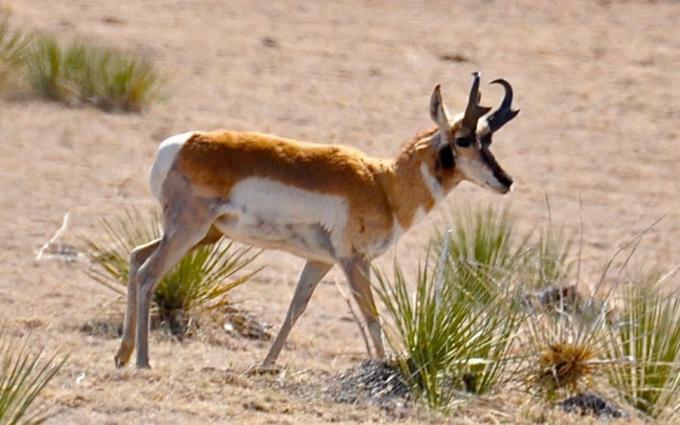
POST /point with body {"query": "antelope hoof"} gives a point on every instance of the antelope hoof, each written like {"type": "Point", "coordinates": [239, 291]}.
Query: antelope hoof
{"type": "Point", "coordinates": [143, 364]}
{"type": "Point", "coordinates": [263, 369]}
{"type": "Point", "coordinates": [122, 356]}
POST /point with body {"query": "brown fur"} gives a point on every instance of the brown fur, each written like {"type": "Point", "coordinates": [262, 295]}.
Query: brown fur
{"type": "Point", "coordinates": [377, 190]}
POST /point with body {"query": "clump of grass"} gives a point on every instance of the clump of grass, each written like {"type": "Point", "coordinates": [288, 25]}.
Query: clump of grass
{"type": "Point", "coordinates": [81, 72]}
{"type": "Point", "coordinates": [12, 47]}
{"type": "Point", "coordinates": [647, 334]}
{"type": "Point", "coordinates": [446, 341]}
{"type": "Point", "coordinates": [201, 280]}
{"type": "Point", "coordinates": [24, 373]}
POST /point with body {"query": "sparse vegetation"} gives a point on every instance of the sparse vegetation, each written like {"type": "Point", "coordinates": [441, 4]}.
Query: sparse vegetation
{"type": "Point", "coordinates": [454, 332]}
{"type": "Point", "coordinates": [564, 352]}
{"type": "Point", "coordinates": [24, 373]}
{"type": "Point", "coordinates": [77, 72]}
{"type": "Point", "coordinates": [198, 282]}
{"type": "Point", "coordinates": [480, 245]}
{"type": "Point", "coordinates": [12, 46]}
{"type": "Point", "coordinates": [446, 340]}
{"type": "Point", "coordinates": [646, 335]}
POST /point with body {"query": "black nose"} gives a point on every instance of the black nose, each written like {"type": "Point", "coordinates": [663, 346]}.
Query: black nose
{"type": "Point", "coordinates": [503, 178]}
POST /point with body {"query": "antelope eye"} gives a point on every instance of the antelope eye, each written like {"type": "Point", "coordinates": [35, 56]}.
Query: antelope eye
{"type": "Point", "coordinates": [463, 142]}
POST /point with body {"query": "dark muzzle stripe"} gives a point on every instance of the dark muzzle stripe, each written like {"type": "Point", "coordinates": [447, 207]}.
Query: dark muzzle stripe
{"type": "Point", "coordinates": [496, 169]}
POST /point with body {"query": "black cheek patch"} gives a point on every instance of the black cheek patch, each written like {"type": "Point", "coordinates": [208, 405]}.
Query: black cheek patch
{"type": "Point", "coordinates": [446, 157]}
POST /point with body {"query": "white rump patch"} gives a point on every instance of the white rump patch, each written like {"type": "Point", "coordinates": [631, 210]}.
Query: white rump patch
{"type": "Point", "coordinates": [165, 157]}
{"type": "Point", "coordinates": [432, 184]}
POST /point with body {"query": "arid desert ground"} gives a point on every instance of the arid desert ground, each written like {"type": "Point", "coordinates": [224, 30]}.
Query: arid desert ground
{"type": "Point", "coordinates": [598, 135]}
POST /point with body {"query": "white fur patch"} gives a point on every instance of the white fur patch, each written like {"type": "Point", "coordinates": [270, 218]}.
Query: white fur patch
{"type": "Point", "coordinates": [419, 215]}
{"type": "Point", "coordinates": [272, 214]}
{"type": "Point", "coordinates": [432, 184]}
{"type": "Point", "coordinates": [165, 157]}
{"type": "Point", "coordinates": [383, 244]}
{"type": "Point", "coordinates": [480, 174]}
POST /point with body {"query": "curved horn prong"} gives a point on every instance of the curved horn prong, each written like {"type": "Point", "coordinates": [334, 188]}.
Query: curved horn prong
{"type": "Point", "coordinates": [504, 113]}
{"type": "Point", "coordinates": [473, 111]}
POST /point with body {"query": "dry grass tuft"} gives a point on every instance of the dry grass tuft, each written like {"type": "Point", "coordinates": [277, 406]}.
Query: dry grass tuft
{"type": "Point", "coordinates": [80, 72]}
{"type": "Point", "coordinates": [565, 365]}
{"type": "Point", "coordinates": [76, 72]}
{"type": "Point", "coordinates": [12, 47]}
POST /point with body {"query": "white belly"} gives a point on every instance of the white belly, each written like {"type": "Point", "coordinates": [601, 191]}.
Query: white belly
{"type": "Point", "coordinates": [270, 214]}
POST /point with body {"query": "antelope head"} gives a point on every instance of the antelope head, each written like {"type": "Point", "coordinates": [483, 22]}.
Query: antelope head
{"type": "Point", "coordinates": [465, 142]}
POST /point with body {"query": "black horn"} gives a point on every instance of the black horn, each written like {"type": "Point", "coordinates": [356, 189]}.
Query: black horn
{"type": "Point", "coordinates": [504, 113]}
{"type": "Point", "coordinates": [473, 111]}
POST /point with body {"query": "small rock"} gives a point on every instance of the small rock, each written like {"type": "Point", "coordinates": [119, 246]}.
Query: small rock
{"type": "Point", "coordinates": [453, 57]}
{"type": "Point", "coordinates": [269, 42]}
{"type": "Point", "coordinates": [375, 381]}
{"type": "Point", "coordinates": [590, 404]}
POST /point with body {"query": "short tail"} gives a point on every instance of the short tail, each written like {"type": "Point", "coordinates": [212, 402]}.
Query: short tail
{"type": "Point", "coordinates": [165, 157]}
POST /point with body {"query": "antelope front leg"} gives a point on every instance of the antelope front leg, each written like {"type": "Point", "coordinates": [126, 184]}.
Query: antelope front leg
{"type": "Point", "coordinates": [137, 257]}
{"type": "Point", "coordinates": [358, 272]}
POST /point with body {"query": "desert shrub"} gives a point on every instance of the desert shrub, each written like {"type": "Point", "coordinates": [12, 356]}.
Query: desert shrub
{"type": "Point", "coordinates": [23, 375]}
{"type": "Point", "coordinates": [446, 340]}
{"type": "Point", "coordinates": [198, 282]}
{"type": "Point", "coordinates": [646, 335]}
{"type": "Point", "coordinates": [82, 72]}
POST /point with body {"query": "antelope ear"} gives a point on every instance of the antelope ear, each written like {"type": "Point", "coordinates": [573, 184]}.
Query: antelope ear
{"type": "Point", "coordinates": [438, 111]}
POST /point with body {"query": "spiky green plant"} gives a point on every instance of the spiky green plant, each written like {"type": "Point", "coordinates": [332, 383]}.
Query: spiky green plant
{"type": "Point", "coordinates": [481, 244]}
{"type": "Point", "coordinates": [199, 281]}
{"type": "Point", "coordinates": [647, 334]}
{"type": "Point", "coordinates": [82, 72]}
{"type": "Point", "coordinates": [445, 340]}
{"type": "Point", "coordinates": [24, 373]}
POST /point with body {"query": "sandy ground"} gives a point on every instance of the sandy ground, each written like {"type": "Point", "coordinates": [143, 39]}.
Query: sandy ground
{"type": "Point", "coordinates": [598, 133]}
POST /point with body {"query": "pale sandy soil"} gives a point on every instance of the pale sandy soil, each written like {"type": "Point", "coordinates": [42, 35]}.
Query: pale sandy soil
{"type": "Point", "coordinates": [597, 83]}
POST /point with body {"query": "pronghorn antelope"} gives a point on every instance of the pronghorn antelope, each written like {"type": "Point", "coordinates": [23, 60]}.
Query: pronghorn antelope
{"type": "Point", "coordinates": [329, 204]}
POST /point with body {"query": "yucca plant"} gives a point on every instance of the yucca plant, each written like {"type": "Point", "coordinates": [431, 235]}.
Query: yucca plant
{"type": "Point", "coordinates": [647, 334]}
{"type": "Point", "coordinates": [79, 71]}
{"type": "Point", "coordinates": [446, 341]}
{"type": "Point", "coordinates": [201, 280]}
{"type": "Point", "coordinates": [24, 373]}
{"type": "Point", "coordinates": [481, 244]}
